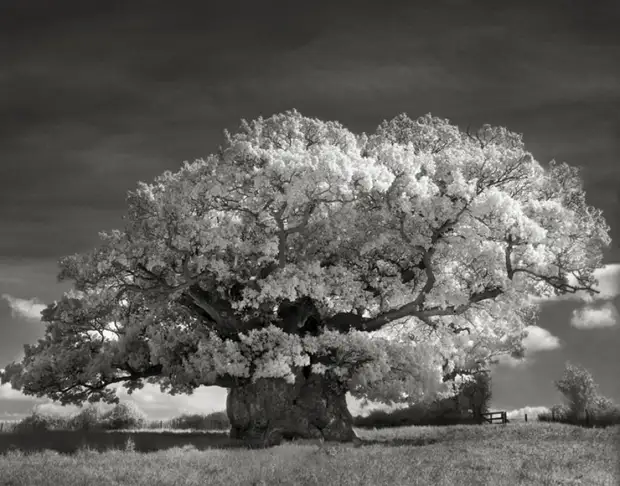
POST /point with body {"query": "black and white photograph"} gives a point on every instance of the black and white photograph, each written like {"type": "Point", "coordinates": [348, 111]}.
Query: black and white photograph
{"type": "Point", "coordinates": [270, 242]}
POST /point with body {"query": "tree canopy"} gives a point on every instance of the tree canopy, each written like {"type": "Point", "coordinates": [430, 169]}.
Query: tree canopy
{"type": "Point", "coordinates": [393, 262]}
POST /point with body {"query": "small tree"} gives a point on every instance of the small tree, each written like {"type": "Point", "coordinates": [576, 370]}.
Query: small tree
{"type": "Point", "coordinates": [477, 393]}
{"type": "Point", "coordinates": [89, 417]}
{"type": "Point", "coordinates": [125, 415]}
{"type": "Point", "coordinates": [579, 390]}
{"type": "Point", "coordinates": [302, 261]}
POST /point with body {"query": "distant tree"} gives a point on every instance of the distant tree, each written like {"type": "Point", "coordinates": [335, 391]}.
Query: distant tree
{"type": "Point", "coordinates": [89, 417]}
{"type": "Point", "coordinates": [125, 415]}
{"type": "Point", "coordinates": [579, 390]}
{"type": "Point", "coordinates": [302, 262]}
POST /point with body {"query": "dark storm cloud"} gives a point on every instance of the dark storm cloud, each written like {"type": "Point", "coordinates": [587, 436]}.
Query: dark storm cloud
{"type": "Point", "coordinates": [93, 101]}
{"type": "Point", "coordinates": [96, 97]}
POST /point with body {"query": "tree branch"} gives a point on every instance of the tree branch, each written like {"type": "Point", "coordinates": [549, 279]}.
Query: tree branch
{"type": "Point", "coordinates": [509, 269]}
{"type": "Point", "coordinates": [412, 310]}
{"type": "Point", "coordinates": [557, 282]}
{"type": "Point", "coordinates": [427, 256]}
{"type": "Point", "coordinates": [211, 311]}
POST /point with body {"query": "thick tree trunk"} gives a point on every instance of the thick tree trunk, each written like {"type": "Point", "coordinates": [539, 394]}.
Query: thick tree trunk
{"type": "Point", "coordinates": [272, 409]}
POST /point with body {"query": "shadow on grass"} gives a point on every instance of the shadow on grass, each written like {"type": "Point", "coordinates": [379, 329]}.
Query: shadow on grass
{"type": "Point", "coordinates": [401, 442]}
{"type": "Point", "coordinates": [70, 442]}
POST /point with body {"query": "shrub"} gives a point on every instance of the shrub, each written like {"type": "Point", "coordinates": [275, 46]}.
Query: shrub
{"type": "Point", "coordinates": [378, 419]}
{"type": "Point", "coordinates": [212, 421]}
{"type": "Point", "coordinates": [218, 421]}
{"type": "Point", "coordinates": [602, 405]}
{"type": "Point", "coordinates": [124, 416]}
{"type": "Point", "coordinates": [38, 422]}
{"type": "Point", "coordinates": [604, 415]}
{"type": "Point", "coordinates": [89, 418]}
{"type": "Point", "coordinates": [557, 413]}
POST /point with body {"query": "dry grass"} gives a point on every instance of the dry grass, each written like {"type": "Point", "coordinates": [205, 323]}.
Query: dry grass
{"type": "Point", "coordinates": [528, 454]}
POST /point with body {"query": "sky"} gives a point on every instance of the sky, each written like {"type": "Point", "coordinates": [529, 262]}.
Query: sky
{"type": "Point", "coordinates": [96, 96]}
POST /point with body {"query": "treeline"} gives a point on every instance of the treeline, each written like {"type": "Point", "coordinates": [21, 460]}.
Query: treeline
{"type": "Point", "coordinates": [124, 416]}
{"type": "Point", "coordinates": [583, 406]}
{"type": "Point", "coordinates": [466, 407]}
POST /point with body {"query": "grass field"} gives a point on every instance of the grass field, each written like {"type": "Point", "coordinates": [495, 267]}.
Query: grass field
{"type": "Point", "coordinates": [528, 454]}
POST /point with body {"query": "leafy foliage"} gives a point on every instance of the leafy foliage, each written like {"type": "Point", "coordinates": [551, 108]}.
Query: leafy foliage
{"type": "Point", "coordinates": [579, 389]}
{"type": "Point", "coordinates": [478, 393]}
{"type": "Point", "coordinates": [124, 415]}
{"type": "Point", "coordinates": [89, 417]}
{"type": "Point", "coordinates": [465, 407]}
{"type": "Point", "coordinates": [391, 262]}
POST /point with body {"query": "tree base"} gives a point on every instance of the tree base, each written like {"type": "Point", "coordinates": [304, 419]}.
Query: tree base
{"type": "Point", "coordinates": [272, 410]}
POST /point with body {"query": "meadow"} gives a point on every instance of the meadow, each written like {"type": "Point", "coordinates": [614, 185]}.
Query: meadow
{"type": "Point", "coordinates": [531, 453]}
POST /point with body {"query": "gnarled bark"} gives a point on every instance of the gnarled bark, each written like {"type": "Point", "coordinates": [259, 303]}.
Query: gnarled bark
{"type": "Point", "coordinates": [272, 409]}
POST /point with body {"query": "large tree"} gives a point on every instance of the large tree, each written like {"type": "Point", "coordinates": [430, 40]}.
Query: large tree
{"type": "Point", "coordinates": [302, 261]}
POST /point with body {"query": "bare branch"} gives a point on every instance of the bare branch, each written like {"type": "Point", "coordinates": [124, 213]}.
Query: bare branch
{"type": "Point", "coordinates": [557, 282]}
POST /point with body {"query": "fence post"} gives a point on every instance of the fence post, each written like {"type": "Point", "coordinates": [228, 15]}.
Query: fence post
{"type": "Point", "coordinates": [526, 417]}
{"type": "Point", "coordinates": [1, 426]}
{"type": "Point", "coordinates": [161, 424]}
{"type": "Point", "coordinates": [504, 418]}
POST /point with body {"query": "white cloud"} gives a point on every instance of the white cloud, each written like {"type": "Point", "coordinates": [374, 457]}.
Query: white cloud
{"type": "Point", "coordinates": [51, 408]}
{"type": "Point", "coordinates": [591, 316]}
{"type": "Point", "coordinates": [609, 281]}
{"type": "Point", "coordinates": [8, 393]}
{"type": "Point", "coordinates": [532, 413]}
{"type": "Point", "coordinates": [24, 308]}
{"type": "Point", "coordinates": [537, 340]}
{"type": "Point", "coordinates": [358, 407]}
{"type": "Point", "coordinates": [160, 405]}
